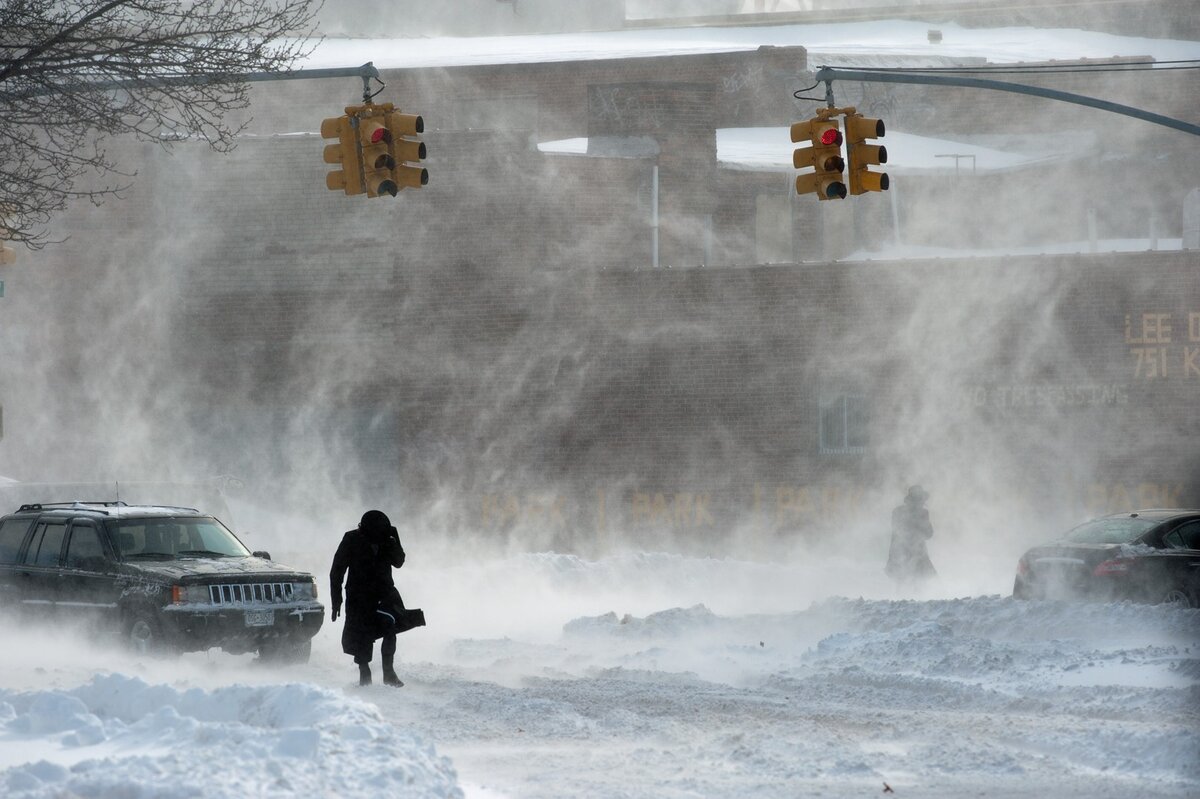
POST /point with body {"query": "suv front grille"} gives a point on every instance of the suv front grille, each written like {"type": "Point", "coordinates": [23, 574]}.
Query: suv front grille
{"type": "Point", "coordinates": [250, 593]}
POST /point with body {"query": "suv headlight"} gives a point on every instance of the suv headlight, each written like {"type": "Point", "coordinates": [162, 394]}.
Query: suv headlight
{"type": "Point", "coordinates": [305, 589]}
{"type": "Point", "coordinates": [190, 594]}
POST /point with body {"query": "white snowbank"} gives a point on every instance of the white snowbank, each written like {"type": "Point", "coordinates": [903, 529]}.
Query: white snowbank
{"type": "Point", "coordinates": [118, 737]}
{"type": "Point", "coordinates": [947, 698]}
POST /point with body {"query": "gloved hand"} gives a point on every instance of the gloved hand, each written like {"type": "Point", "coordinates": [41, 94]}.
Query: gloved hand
{"type": "Point", "coordinates": [337, 611]}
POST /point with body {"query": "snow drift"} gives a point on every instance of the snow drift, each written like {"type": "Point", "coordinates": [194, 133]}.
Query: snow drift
{"type": "Point", "coordinates": [118, 737]}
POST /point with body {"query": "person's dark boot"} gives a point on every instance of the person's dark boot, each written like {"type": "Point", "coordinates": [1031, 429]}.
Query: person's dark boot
{"type": "Point", "coordinates": [389, 674]}
{"type": "Point", "coordinates": [364, 674]}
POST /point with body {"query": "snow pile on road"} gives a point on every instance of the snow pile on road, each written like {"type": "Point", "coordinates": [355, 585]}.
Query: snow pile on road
{"type": "Point", "coordinates": [1007, 644]}
{"type": "Point", "coordinates": [118, 737]}
{"type": "Point", "coordinates": [982, 695]}
{"type": "Point", "coordinates": [1115, 685]}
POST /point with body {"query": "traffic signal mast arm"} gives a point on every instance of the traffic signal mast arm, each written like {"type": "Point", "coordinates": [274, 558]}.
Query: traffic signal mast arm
{"type": "Point", "coordinates": [367, 72]}
{"type": "Point", "coordinates": [379, 174]}
{"type": "Point", "coordinates": [860, 154]}
{"type": "Point", "coordinates": [828, 75]}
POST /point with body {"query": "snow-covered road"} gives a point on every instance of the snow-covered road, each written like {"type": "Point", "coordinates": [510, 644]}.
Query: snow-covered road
{"type": "Point", "coordinates": [836, 697]}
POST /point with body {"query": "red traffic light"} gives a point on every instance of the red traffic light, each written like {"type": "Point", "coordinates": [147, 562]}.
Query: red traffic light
{"type": "Point", "coordinates": [372, 130]}
{"type": "Point", "coordinates": [831, 136]}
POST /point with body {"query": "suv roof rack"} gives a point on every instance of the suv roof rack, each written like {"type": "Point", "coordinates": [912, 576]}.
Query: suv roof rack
{"type": "Point", "coordinates": [78, 504]}
{"type": "Point", "coordinates": [98, 506]}
{"type": "Point", "coordinates": [167, 507]}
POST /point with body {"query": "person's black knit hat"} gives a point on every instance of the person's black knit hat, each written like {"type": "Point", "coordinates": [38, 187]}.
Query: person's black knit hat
{"type": "Point", "coordinates": [374, 520]}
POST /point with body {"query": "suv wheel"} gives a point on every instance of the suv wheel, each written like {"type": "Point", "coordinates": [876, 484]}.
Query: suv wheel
{"type": "Point", "coordinates": [143, 633]}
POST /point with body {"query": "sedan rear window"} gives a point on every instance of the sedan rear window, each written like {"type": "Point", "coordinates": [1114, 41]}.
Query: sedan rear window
{"type": "Point", "coordinates": [1118, 530]}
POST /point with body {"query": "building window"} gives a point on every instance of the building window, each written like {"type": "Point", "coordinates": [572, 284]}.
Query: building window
{"type": "Point", "coordinates": [843, 424]}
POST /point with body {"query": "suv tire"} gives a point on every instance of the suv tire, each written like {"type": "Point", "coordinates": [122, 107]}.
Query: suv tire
{"type": "Point", "coordinates": [143, 634]}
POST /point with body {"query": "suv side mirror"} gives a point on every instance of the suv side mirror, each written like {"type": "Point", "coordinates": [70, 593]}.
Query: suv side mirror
{"type": "Point", "coordinates": [261, 553]}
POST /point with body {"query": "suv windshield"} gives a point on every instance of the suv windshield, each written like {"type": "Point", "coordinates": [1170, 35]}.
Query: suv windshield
{"type": "Point", "coordinates": [1118, 530]}
{"type": "Point", "coordinates": [175, 537]}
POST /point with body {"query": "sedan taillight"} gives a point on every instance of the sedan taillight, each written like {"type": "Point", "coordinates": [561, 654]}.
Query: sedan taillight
{"type": "Point", "coordinates": [1111, 567]}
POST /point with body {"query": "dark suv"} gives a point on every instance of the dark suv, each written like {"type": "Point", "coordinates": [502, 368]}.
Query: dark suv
{"type": "Point", "coordinates": [164, 578]}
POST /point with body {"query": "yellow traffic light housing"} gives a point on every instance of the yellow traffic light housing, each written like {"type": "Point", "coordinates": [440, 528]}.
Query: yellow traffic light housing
{"type": "Point", "coordinates": [408, 150]}
{"type": "Point", "coordinates": [345, 153]}
{"type": "Point", "coordinates": [8, 257]}
{"type": "Point", "coordinates": [861, 154]}
{"type": "Point", "coordinates": [379, 162]}
{"type": "Point", "coordinates": [376, 149]}
{"type": "Point", "coordinates": [824, 156]}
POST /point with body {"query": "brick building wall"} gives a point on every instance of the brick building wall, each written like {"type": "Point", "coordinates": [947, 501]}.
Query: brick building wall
{"type": "Point", "coordinates": [1014, 377]}
{"type": "Point", "coordinates": [1066, 384]}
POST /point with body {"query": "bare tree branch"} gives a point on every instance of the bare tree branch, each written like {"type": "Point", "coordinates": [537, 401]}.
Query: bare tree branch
{"type": "Point", "coordinates": [59, 62]}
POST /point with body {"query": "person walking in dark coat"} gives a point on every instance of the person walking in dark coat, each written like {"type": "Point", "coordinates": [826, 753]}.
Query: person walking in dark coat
{"type": "Point", "coordinates": [366, 558]}
{"type": "Point", "coordinates": [908, 558]}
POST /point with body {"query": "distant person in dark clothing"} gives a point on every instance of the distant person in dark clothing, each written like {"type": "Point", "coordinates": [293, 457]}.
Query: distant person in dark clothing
{"type": "Point", "coordinates": [908, 558]}
{"type": "Point", "coordinates": [373, 604]}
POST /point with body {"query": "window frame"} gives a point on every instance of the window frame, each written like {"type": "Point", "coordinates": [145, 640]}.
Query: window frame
{"type": "Point", "coordinates": [76, 526]}
{"type": "Point", "coordinates": [1177, 533]}
{"type": "Point", "coordinates": [22, 538]}
{"type": "Point", "coordinates": [39, 533]}
{"type": "Point", "coordinates": [828, 402]}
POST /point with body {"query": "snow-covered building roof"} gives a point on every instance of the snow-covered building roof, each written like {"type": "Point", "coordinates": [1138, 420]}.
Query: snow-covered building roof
{"type": "Point", "coordinates": [834, 44]}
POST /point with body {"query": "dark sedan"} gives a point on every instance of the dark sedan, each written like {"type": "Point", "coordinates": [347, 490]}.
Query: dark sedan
{"type": "Point", "coordinates": [1144, 556]}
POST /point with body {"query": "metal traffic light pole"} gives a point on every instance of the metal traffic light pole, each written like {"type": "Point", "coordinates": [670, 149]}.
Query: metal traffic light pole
{"type": "Point", "coordinates": [367, 72]}
{"type": "Point", "coordinates": [828, 75]}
